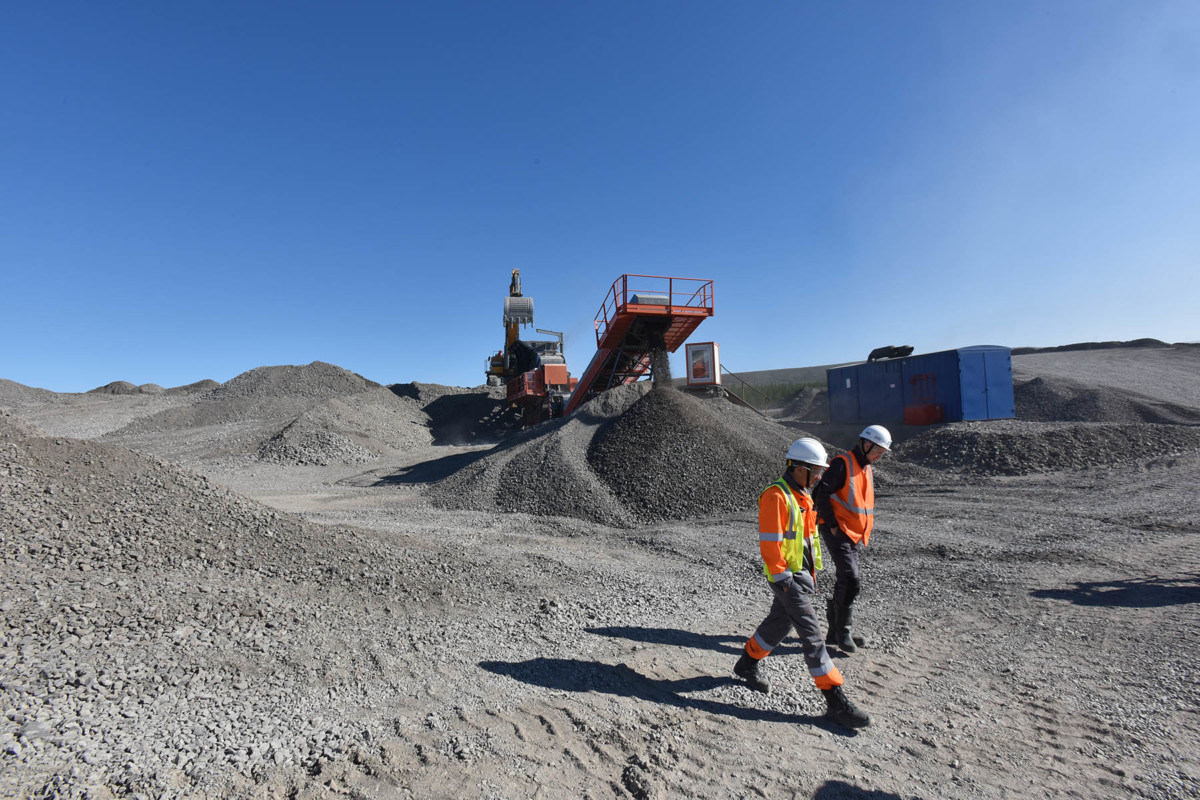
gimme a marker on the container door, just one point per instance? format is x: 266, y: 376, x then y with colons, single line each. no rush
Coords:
x: 998, y: 375
x: 881, y: 394
x: 973, y: 380
x: 843, y: 394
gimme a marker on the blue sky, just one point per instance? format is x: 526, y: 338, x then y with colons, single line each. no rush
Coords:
x: 192, y: 190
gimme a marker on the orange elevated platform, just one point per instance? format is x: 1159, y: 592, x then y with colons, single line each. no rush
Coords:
x: 641, y: 314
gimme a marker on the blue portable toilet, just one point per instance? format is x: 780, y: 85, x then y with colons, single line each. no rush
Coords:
x: 969, y: 383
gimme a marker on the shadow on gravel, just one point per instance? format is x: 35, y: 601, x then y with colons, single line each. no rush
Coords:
x: 1131, y: 593
x: 439, y: 468
x: 572, y: 675
x: 432, y: 471
x: 840, y: 790
x: 699, y: 641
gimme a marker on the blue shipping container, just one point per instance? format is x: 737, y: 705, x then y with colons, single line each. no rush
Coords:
x: 969, y: 383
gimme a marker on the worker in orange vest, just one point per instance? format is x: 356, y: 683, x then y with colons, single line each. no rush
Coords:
x: 846, y: 508
x: 791, y: 554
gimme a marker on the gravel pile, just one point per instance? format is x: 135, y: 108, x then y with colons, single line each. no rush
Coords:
x: 125, y: 387
x: 1167, y: 374
x: 15, y: 395
x: 349, y: 430
x: 426, y: 393
x: 13, y: 427
x: 317, y: 414
x: 810, y: 403
x: 1065, y: 400
x: 633, y: 456
x: 1013, y: 447
x: 262, y: 394
x: 674, y: 455
x: 543, y: 471
x: 304, y: 444
x: 159, y: 631
x: 199, y: 387
x: 1067, y: 348
x: 628, y: 457
x: 460, y: 416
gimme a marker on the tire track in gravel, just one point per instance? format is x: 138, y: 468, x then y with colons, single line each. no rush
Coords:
x: 1031, y: 741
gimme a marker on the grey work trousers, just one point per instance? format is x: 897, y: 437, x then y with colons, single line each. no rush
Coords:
x: 793, y: 607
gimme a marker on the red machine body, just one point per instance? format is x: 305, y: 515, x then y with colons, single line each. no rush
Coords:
x: 533, y: 371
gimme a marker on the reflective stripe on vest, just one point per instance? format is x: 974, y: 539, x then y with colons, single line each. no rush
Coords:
x: 793, y: 546
x: 854, y: 503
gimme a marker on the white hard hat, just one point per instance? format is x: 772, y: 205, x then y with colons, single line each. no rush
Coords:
x: 877, y: 434
x: 808, y: 451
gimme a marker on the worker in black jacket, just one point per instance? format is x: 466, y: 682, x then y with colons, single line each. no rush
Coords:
x: 845, y: 501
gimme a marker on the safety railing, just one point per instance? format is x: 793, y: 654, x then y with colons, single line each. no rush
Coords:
x: 648, y: 292
x: 744, y: 388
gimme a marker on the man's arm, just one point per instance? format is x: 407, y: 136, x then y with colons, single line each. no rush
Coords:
x: 831, y: 482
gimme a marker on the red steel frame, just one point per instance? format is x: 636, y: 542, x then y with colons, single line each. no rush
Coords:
x: 688, y: 298
x: 689, y: 301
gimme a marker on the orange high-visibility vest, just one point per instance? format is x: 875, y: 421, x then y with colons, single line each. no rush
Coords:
x: 854, y: 503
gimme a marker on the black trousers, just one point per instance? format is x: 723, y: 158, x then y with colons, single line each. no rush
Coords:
x: 844, y: 552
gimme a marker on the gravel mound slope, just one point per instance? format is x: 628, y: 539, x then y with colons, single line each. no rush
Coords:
x: 13, y: 427
x: 1066, y: 400
x: 631, y: 457
x: 169, y: 633
x: 543, y: 471
x: 302, y: 415
x: 809, y: 403
x: 1011, y: 447
x: 349, y: 430
x: 262, y: 394
x: 199, y: 387
x: 672, y: 455
x: 1165, y: 374
x: 460, y: 416
x: 125, y: 387
x: 15, y: 395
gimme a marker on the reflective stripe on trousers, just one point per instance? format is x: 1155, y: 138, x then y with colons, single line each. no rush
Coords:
x: 792, y: 607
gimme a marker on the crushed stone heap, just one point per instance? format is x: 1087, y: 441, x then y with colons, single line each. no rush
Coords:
x: 154, y: 624
x: 461, y: 416
x: 1063, y: 400
x: 630, y: 456
x: 542, y: 471
x: 318, y: 414
x: 1013, y: 447
x: 673, y: 455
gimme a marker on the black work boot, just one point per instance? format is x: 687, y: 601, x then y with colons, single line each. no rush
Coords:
x: 858, y: 639
x: 831, y: 622
x: 751, y: 670
x: 845, y: 638
x: 842, y: 711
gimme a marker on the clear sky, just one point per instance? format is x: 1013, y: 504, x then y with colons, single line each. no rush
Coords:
x: 192, y: 190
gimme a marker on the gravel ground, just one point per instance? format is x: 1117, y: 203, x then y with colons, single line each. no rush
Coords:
x: 519, y: 621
